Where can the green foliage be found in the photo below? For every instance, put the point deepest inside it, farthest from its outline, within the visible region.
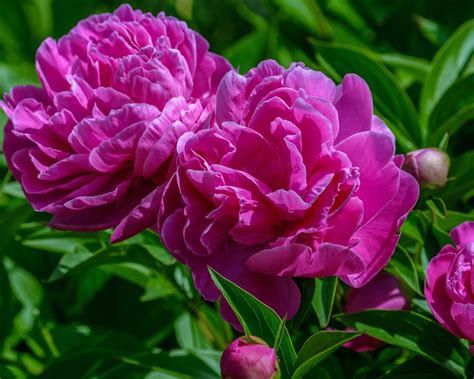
(318, 347)
(414, 332)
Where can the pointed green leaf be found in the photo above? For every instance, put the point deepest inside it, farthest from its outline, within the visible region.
(453, 110)
(447, 65)
(257, 319)
(319, 346)
(323, 298)
(402, 266)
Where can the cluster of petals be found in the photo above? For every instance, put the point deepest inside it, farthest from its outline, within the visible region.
(95, 144)
(449, 287)
(296, 178)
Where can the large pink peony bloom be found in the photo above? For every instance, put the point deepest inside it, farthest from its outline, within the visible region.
(449, 287)
(297, 179)
(96, 143)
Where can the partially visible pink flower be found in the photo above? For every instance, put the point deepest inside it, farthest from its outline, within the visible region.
(384, 293)
(249, 357)
(449, 287)
(298, 178)
(429, 166)
(95, 144)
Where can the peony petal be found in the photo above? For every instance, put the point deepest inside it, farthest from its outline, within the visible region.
(141, 217)
(378, 126)
(52, 67)
(435, 291)
(314, 83)
(354, 107)
(299, 260)
(463, 234)
(378, 238)
(463, 315)
(230, 98)
(379, 177)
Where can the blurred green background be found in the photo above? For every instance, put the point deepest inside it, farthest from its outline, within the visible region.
(71, 306)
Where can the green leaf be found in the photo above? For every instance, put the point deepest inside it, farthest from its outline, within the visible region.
(257, 319)
(453, 219)
(345, 10)
(307, 13)
(28, 291)
(462, 181)
(75, 262)
(279, 334)
(432, 31)
(437, 206)
(390, 100)
(410, 228)
(452, 110)
(414, 332)
(415, 66)
(318, 347)
(447, 65)
(306, 287)
(188, 333)
(422, 304)
(157, 287)
(11, 219)
(7, 305)
(402, 266)
(418, 368)
(13, 189)
(323, 298)
(249, 50)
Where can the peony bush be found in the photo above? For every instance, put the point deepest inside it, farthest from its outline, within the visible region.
(168, 210)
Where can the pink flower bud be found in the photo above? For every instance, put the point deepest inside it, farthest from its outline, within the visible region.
(249, 357)
(429, 166)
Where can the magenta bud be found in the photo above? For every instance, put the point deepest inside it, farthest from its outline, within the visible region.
(429, 166)
(249, 357)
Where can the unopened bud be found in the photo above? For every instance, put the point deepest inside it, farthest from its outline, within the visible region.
(249, 357)
(429, 166)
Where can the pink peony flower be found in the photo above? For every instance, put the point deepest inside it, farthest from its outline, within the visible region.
(95, 144)
(449, 287)
(249, 358)
(382, 292)
(297, 179)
